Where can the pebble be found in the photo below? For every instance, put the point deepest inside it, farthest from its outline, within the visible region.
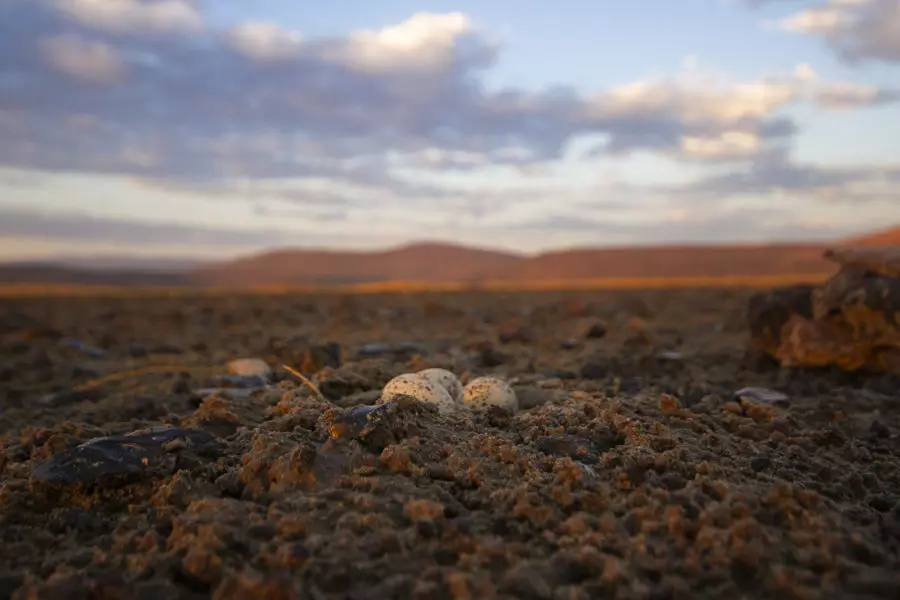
(483, 392)
(321, 356)
(593, 329)
(137, 350)
(593, 369)
(351, 425)
(380, 349)
(762, 396)
(239, 381)
(574, 447)
(250, 367)
(71, 396)
(512, 333)
(83, 347)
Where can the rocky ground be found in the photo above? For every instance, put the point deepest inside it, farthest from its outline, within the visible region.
(631, 470)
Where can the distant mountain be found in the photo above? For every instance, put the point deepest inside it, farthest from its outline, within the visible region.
(669, 261)
(885, 237)
(431, 263)
(417, 262)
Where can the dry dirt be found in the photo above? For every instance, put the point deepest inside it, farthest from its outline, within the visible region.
(629, 472)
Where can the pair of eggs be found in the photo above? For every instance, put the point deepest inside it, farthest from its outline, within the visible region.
(444, 390)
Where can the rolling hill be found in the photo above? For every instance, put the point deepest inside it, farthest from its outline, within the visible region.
(432, 263)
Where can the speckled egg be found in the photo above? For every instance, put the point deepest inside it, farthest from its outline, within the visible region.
(483, 392)
(420, 388)
(446, 380)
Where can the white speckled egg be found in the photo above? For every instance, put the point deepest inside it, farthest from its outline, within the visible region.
(483, 392)
(420, 388)
(446, 380)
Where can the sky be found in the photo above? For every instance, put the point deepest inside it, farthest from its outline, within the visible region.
(198, 129)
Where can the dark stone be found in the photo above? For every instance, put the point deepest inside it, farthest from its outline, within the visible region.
(488, 356)
(120, 459)
(523, 334)
(321, 356)
(767, 313)
(760, 463)
(576, 448)
(594, 369)
(137, 350)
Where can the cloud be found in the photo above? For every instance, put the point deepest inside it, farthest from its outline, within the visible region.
(776, 173)
(74, 226)
(844, 96)
(81, 59)
(373, 127)
(857, 30)
(146, 89)
(133, 16)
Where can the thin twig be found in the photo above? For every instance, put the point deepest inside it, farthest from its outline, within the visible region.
(303, 378)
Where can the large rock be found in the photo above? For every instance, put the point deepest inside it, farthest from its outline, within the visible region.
(852, 321)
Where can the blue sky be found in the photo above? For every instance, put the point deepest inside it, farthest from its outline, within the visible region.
(185, 128)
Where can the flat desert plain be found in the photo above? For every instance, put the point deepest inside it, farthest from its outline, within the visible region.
(629, 470)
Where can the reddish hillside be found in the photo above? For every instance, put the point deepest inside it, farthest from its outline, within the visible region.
(675, 261)
(420, 262)
(445, 263)
(887, 237)
(448, 263)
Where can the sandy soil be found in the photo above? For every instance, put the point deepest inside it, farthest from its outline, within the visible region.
(629, 472)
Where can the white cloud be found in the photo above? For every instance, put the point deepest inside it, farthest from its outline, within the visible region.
(265, 41)
(855, 29)
(134, 16)
(845, 96)
(731, 144)
(424, 41)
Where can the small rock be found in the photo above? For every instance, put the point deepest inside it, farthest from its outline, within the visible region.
(668, 404)
(82, 347)
(569, 344)
(167, 349)
(488, 356)
(137, 350)
(181, 386)
(351, 425)
(250, 367)
(760, 463)
(594, 369)
(521, 333)
(576, 448)
(399, 350)
(239, 381)
(65, 397)
(762, 396)
(879, 429)
(82, 371)
(321, 356)
(592, 329)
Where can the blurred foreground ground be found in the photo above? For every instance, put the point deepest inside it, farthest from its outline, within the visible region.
(630, 471)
